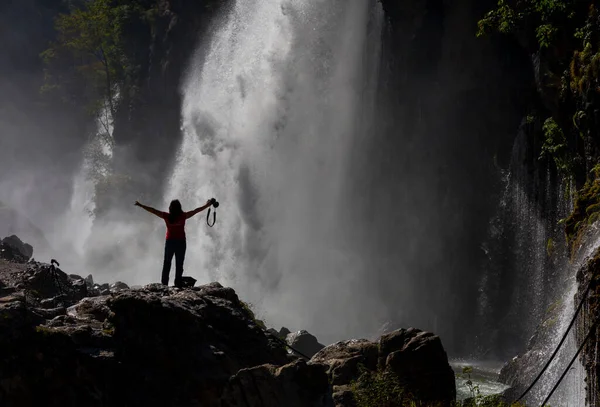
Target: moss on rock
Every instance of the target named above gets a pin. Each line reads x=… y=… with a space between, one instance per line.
x=585 y=212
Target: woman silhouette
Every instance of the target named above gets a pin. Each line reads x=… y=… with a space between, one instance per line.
x=175 y=243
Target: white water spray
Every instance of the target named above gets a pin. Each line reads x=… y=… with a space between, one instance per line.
x=270 y=111
x=78 y=218
x=544 y=277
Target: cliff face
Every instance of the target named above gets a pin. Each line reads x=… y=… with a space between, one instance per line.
x=589 y=275
x=453 y=104
x=563 y=40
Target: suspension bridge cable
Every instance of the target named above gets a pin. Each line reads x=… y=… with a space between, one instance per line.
x=592 y=329
x=583 y=298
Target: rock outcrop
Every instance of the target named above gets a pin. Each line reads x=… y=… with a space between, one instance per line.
x=154 y=346
x=65 y=342
x=304 y=342
x=297 y=384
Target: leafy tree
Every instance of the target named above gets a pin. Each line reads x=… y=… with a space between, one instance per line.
x=546 y=16
x=88 y=63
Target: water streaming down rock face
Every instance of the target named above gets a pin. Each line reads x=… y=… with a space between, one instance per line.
x=526 y=273
x=526 y=254
x=572 y=389
x=270 y=110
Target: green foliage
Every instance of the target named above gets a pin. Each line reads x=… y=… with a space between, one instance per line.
x=530 y=119
x=379 y=389
x=586 y=210
x=473 y=388
x=545 y=34
x=555 y=147
x=385 y=389
x=585 y=65
x=503 y=19
x=571 y=71
x=517 y=15
x=88 y=64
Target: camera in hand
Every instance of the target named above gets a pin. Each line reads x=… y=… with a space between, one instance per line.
x=214 y=202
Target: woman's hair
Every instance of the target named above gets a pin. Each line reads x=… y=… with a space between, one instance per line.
x=175 y=210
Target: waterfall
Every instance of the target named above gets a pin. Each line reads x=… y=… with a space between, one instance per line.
x=272 y=107
x=78 y=218
x=528 y=273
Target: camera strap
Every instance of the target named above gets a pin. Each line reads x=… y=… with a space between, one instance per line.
x=208 y=218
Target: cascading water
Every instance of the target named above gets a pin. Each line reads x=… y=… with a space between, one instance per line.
x=527 y=275
x=78 y=217
x=271 y=109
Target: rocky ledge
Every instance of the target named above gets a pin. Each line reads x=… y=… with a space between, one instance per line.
x=67 y=341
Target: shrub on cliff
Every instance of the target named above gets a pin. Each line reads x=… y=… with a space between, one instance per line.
x=89 y=64
x=565 y=36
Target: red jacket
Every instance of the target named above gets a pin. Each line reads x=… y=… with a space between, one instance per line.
x=175 y=230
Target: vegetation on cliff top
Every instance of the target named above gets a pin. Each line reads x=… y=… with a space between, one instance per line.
x=564 y=37
x=91 y=64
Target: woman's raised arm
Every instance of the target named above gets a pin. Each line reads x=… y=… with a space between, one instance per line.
x=151 y=210
x=198 y=210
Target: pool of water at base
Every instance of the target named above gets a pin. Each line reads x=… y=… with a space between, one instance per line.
x=484 y=374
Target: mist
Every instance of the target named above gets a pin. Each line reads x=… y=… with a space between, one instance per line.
x=348 y=165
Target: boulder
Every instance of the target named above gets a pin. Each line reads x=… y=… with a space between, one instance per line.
x=91 y=308
x=342 y=359
x=419 y=360
x=119 y=286
x=24 y=249
x=416 y=359
x=14 y=223
x=10 y=253
x=293 y=385
x=304 y=342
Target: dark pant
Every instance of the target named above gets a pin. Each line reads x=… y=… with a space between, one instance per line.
x=177 y=248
